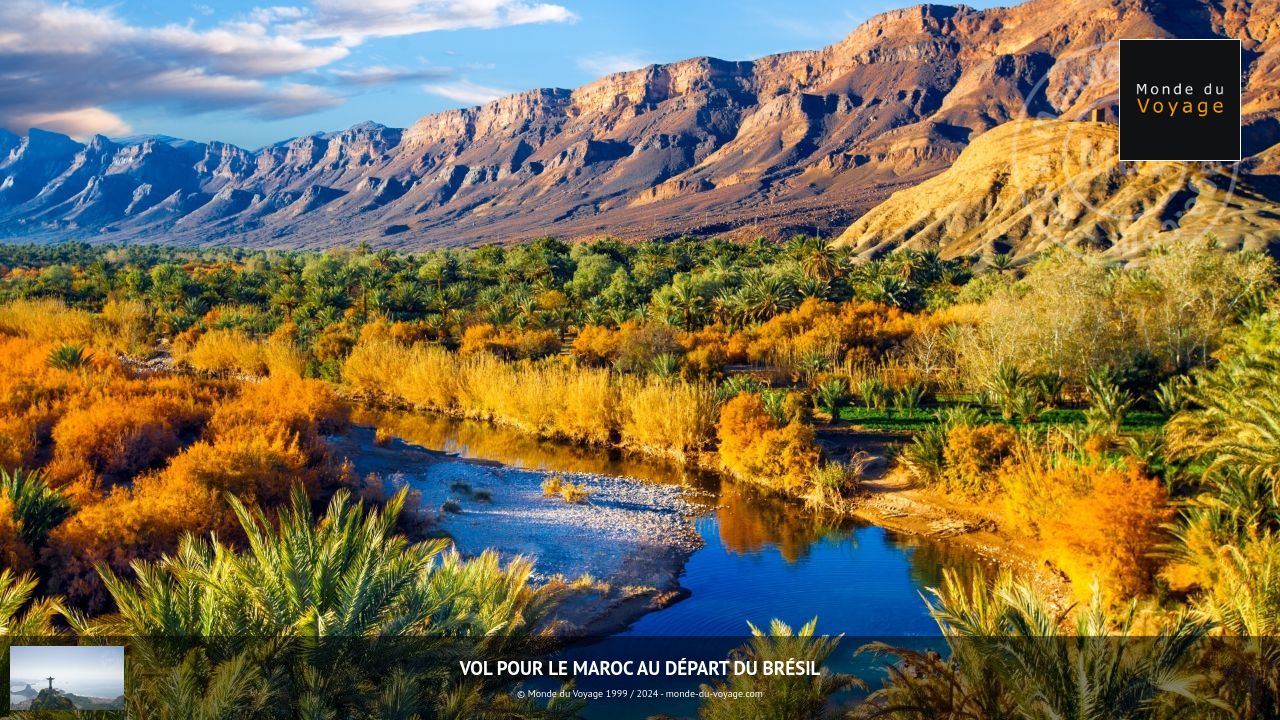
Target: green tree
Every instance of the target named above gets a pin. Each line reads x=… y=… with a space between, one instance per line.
x=781 y=697
x=338 y=616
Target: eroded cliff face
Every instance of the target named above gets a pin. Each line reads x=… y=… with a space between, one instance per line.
x=797 y=141
x=1032 y=185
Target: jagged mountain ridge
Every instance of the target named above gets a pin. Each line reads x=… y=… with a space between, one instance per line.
x=797 y=141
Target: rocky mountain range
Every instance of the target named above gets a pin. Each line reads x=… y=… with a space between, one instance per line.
x=801 y=141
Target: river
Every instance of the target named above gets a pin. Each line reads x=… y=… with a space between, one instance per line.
x=761 y=558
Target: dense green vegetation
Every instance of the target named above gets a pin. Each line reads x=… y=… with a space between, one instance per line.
x=1118 y=423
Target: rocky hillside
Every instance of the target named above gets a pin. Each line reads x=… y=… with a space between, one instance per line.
x=797 y=141
x=1029 y=185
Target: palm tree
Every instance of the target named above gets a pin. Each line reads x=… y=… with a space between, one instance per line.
x=727 y=305
x=326 y=612
x=20 y=615
x=36 y=506
x=23 y=618
x=1001 y=262
x=1006 y=388
x=766 y=295
x=1243 y=602
x=69 y=357
x=794 y=697
x=681 y=300
x=819 y=259
x=1108 y=402
x=830 y=395
x=1236 y=420
x=1010 y=658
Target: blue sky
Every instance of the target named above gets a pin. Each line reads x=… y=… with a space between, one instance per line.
x=252 y=73
x=93 y=671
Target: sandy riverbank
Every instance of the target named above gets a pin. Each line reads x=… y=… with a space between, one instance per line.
x=888 y=499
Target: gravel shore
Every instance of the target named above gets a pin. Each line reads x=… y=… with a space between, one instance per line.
x=631 y=536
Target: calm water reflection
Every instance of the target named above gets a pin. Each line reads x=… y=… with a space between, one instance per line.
x=763 y=558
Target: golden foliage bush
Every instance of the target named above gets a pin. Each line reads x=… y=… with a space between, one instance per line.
x=546 y=398
x=595 y=346
x=114 y=442
x=223 y=351
x=289 y=407
x=509 y=343
x=255 y=466
x=1093 y=518
x=1111 y=532
x=1034 y=493
x=128 y=524
x=974 y=452
x=753 y=447
x=283 y=357
x=667 y=418
x=114 y=438
x=14 y=553
x=125 y=326
x=424 y=376
x=258 y=443
x=20 y=436
x=232 y=351
x=45 y=320
x=847 y=332
x=583 y=403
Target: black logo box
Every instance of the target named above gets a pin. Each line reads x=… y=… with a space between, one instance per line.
x=1187 y=64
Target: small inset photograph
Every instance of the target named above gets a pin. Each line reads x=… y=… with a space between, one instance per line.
x=48 y=681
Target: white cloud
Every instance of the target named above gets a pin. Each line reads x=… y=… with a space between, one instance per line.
x=385 y=75
x=79 y=123
x=465 y=91
x=78 y=66
x=355 y=20
x=68 y=64
x=609 y=63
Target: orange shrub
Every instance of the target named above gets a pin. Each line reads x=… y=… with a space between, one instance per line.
x=743 y=419
x=705 y=361
x=974 y=452
x=1039 y=492
x=754 y=448
x=481 y=337
x=534 y=344
x=20 y=437
x=27 y=381
x=706 y=351
x=595 y=346
x=14 y=553
x=258 y=444
x=333 y=342
x=1111 y=532
x=302 y=408
x=509 y=343
x=737 y=347
x=127 y=525
x=851 y=331
x=411 y=332
x=114 y=438
x=255 y=466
